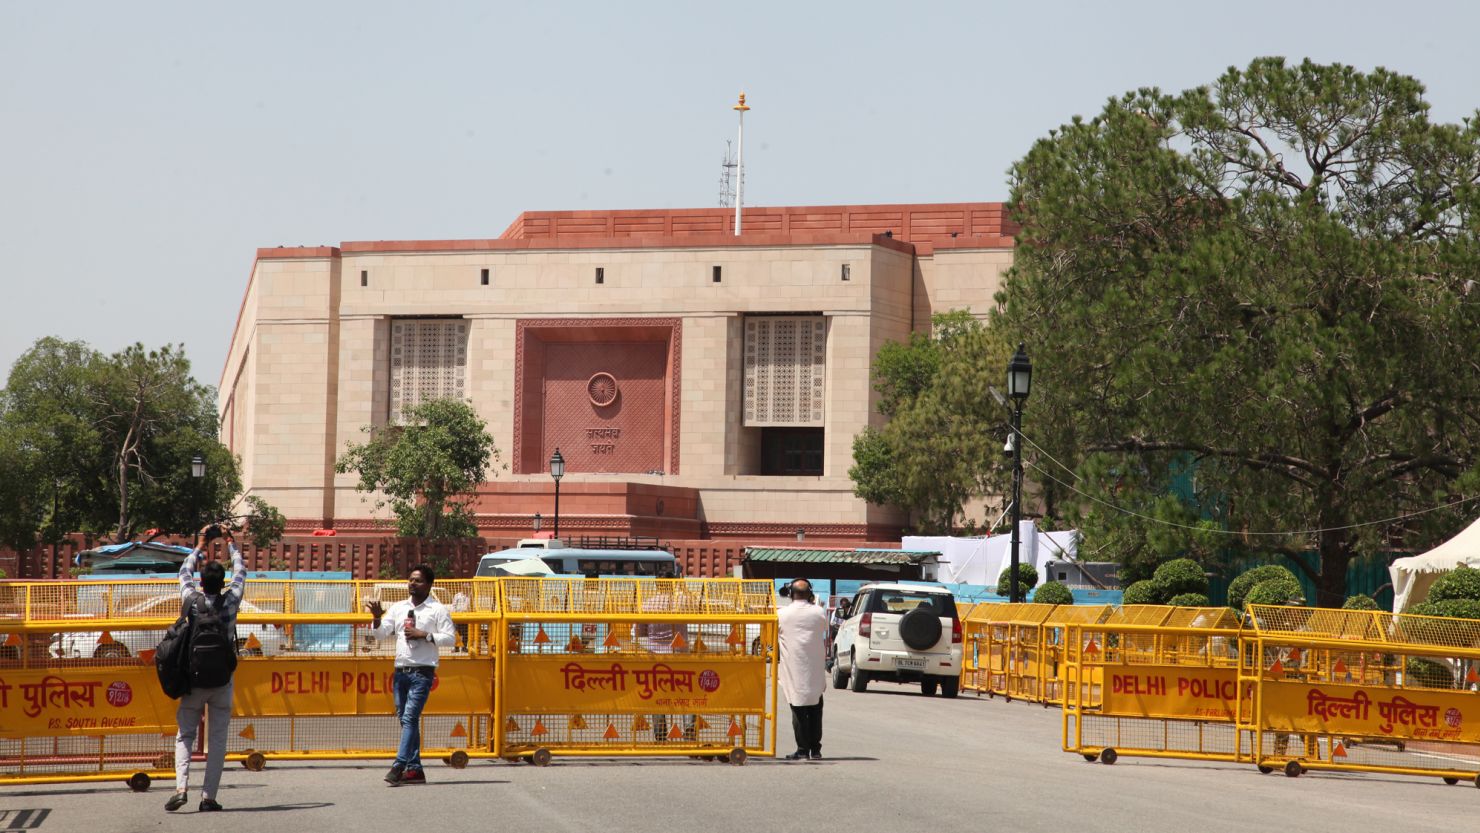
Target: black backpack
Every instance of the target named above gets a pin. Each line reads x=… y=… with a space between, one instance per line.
x=198 y=651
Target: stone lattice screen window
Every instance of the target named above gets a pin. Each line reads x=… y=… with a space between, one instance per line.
x=785 y=370
x=429 y=360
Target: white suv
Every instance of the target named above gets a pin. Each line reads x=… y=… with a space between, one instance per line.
x=900 y=632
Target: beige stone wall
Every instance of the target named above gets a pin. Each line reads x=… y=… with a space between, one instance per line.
x=958 y=279
x=294 y=360
x=313 y=346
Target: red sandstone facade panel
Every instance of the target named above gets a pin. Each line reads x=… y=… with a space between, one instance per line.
x=606 y=392
x=604 y=405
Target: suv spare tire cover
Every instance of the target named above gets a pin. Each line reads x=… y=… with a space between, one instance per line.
x=920 y=629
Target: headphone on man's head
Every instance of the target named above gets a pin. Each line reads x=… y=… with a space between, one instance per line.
x=793 y=593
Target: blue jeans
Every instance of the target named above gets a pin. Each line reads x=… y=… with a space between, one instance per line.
x=411 y=687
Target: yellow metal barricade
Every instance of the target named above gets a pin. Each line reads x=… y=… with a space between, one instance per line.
x=1364 y=691
x=1151 y=690
x=81 y=700
x=622 y=667
x=1054 y=640
x=976 y=647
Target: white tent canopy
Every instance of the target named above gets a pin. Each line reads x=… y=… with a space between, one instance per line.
x=984 y=560
x=1413 y=576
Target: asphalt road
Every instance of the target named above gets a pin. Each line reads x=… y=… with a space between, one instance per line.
x=895 y=762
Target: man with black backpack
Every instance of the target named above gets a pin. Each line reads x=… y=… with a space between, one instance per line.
x=210 y=647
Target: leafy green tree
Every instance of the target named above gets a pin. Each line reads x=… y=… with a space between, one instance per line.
x=264 y=523
x=103 y=443
x=930 y=457
x=1360 y=601
x=1271 y=279
x=1027 y=579
x=1053 y=593
x=426 y=470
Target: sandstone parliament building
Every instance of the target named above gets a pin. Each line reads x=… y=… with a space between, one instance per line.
x=698 y=384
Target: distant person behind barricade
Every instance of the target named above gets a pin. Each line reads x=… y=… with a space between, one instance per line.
x=422 y=626
x=802 y=628
x=662 y=637
x=211 y=608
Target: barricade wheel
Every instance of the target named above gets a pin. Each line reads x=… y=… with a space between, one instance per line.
x=1108 y=756
x=737 y=757
x=1451 y=781
x=139 y=782
x=541 y=757
x=1266 y=769
x=1091 y=756
x=1293 y=769
x=458 y=759
x=255 y=762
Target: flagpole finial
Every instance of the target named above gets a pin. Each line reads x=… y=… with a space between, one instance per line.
x=741 y=106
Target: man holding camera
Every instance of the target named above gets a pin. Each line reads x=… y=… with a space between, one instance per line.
x=213 y=701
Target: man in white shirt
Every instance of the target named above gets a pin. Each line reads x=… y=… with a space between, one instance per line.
x=422 y=626
x=802 y=629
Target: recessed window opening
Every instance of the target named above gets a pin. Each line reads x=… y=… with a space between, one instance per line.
x=364 y=277
x=483 y=277
x=847 y=272
x=716 y=274
x=601 y=274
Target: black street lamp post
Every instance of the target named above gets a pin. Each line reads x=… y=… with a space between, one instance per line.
x=197 y=473
x=557 y=471
x=1019 y=379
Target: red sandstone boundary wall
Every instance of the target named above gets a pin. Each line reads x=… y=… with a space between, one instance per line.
x=366 y=557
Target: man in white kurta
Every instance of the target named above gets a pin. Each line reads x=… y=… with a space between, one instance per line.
x=803 y=632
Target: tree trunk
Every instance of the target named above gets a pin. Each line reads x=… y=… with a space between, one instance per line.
x=120 y=534
x=1335 y=555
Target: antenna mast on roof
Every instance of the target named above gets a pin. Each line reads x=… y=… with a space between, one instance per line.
x=727 y=176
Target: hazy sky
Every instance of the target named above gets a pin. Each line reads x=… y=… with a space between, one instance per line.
x=146 y=149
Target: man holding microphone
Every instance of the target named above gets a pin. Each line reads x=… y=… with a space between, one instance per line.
x=422 y=626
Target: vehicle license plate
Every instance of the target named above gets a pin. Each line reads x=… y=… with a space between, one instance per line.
x=910 y=663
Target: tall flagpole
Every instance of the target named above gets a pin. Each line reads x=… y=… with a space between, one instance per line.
x=740 y=164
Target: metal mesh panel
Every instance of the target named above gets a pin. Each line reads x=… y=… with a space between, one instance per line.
x=1191 y=738
x=121 y=753
x=618 y=732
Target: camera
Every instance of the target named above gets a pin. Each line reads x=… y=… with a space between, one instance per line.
x=213 y=532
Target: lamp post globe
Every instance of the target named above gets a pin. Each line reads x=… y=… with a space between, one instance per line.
x=1019 y=381
x=197 y=467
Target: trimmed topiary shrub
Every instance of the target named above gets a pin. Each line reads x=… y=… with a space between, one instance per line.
x=1144 y=592
x=1429 y=674
x=1280 y=590
x=1240 y=587
x=1460 y=583
x=1027 y=580
x=1180 y=576
x=1189 y=600
x=1053 y=593
x=1361 y=601
x=1457 y=608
